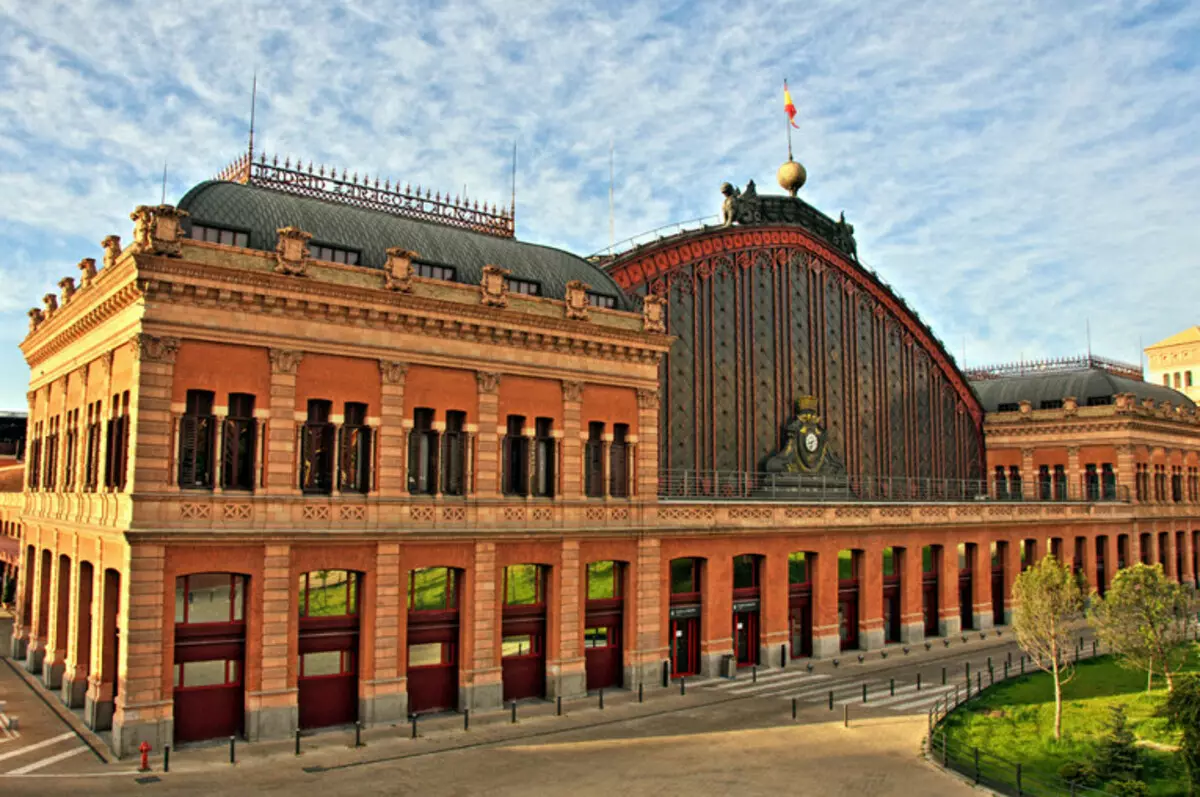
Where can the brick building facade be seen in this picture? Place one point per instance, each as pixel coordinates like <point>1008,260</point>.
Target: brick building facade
<point>308,452</point>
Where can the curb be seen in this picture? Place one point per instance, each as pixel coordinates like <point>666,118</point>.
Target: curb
<point>86,734</point>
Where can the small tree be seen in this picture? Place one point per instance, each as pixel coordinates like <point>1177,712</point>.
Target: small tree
<point>1049,602</point>
<point>1117,756</point>
<point>1183,711</point>
<point>1146,619</point>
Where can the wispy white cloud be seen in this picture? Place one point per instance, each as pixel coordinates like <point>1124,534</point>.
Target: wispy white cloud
<point>1013,169</point>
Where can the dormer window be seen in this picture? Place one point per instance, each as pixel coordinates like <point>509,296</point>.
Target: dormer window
<point>432,272</point>
<point>525,287</point>
<point>220,235</point>
<point>1052,404</point>
<point>602,300</point>
<point>332,254</point>
<point>1008,406</point>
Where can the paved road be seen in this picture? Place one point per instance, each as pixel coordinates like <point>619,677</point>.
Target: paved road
<point>722,736</point>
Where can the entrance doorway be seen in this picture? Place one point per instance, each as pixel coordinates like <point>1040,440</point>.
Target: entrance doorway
<point>604,618</point>
<point>966,584</point>
<point>848,573</point>
<point>328,671</point>
<point>891,593</point>
<point>800,603</point>
<point>931,556</point>
<point>433,640</point>
<point>523,645</point>
<point>999,554</point>
<point>685,616</point>
<point>746,574</point>
<point>210,651</point>
<point>1101,544</point>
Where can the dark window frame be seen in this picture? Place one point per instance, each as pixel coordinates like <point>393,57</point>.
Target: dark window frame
<point>515,463</point>
<point>423,453</point>
<point>523,287</point>
<point>197,442</point>
<point>349,257</point>
<point>240,236</point>
<point>603,301</point>
<point>239,445</point>
<point>317,447</point>
<point>355,448</point>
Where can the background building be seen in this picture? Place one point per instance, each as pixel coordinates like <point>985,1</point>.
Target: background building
<point>311,451</point>
<point>1175,362</point>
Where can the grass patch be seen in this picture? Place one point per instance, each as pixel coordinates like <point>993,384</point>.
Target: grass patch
<point>1015,721</point>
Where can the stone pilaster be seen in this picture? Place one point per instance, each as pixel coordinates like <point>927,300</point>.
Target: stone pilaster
<point>393,437</point>
<point>482,685</point>
<point>1028,476</point>
<point>1012,568</point>
<point>98,702</point>
<point>487,462</point>
<point>23,617</point>
<point>912,610</point>
<point>58,632</point>
<point>1089,560</point>
<point>281,429</point>
<point>643,661</point>
<point>773,611</point>
<point>646,464</point>
<point>1126,474</point>
<point>981,607</point>
<point>572,446</point>
<point>143,712</point>
<point>74,682</point>
<point>826,642</point>
<point>151,430</point>
<point>272,711</point>
<point>39,612</point>
<point>870,599</point>
<point>1188,576</point>
<point>1076,489</point>
<point>385,697</point>
<point>566,676</point>
<point>949,612</point>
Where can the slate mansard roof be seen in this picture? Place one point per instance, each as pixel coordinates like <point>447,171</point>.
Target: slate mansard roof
<point>1095,384</point>
<point>261,211</point>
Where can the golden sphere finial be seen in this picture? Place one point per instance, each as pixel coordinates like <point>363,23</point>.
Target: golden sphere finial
<point>791,176</point>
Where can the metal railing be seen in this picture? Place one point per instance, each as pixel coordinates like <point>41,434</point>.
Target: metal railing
<point>718,485</point>
<point>649,236</point>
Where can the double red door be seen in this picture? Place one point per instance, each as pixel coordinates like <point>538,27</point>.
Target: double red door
<point>848,617</point>
<point>432,661</point>
<point>685,645</point>
<point>745,637</point>
<point>929,603</point>
<point>602,641</point>
<point>523,652</point>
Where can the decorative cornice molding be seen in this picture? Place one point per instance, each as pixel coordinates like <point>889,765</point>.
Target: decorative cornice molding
<point>37,350</point>
<point>285,361</point>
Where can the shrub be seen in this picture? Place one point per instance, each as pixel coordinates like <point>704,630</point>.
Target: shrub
<point>1183,712</point>
<point>1081,773</point>
<point>1117,756</point>
<point>1128,788</point>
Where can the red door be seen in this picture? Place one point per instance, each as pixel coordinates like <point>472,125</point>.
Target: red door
<point>800,623</point>
<point>523,653</point>
<point>848,618</point>
<point>432,661</point>
<point>998,595</point>
<point>745,638</point>
<point>685,646</point>
<point>328,682</point>
<point>929,603</point>
<point>602,643</point>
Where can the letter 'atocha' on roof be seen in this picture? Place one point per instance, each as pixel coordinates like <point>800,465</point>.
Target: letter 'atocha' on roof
<point>351,215</point>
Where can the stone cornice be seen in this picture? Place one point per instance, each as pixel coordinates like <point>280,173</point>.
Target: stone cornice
<point>249,291</point>
<point>84,313</point>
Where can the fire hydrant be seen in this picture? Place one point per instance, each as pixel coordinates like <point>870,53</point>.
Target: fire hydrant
<point>144,749</point>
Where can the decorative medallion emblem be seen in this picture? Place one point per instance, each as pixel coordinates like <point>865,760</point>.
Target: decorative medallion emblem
<point>157,230</point>
<point>654,314</point>
<point>494,286</point>
<point>291,251</point>
<point>577,301</point>
<point>398,272</point>
<point>805,450</point>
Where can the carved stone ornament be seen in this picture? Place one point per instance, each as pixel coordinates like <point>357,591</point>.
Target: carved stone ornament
<point>805,451</point>
<point>51,303</point>
<point>647,399</point>
<point>489,382</point>
<point>285,361</point>
<point>1070,405</point>
<point>572,391</point>
<point>494,286</point>
<point>1148,403</point>
<point>35,318</point>
<point>577,300</point>
<point>654,314</point>
<point>291,251</point>
<point>112,250</point>
<point>67,286</point>
<point>157,230</point>
<point>1026,407</point>
<point>742,207</point>
<point>1124,401</point>
<point>398,271</point>
<point>151,349</point>
<point>393,372</point>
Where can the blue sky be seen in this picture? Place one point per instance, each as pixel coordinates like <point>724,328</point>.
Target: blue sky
<point>1012,169</point>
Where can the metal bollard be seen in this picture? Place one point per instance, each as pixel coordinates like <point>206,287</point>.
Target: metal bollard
<point>976,764</point>
<point>558,706</point>
<point>640,696</point>
<point>918,682</point>
<point>514,712</point>
<point>666,674</point>
<point>831,700</point>
<point>989,662</point>
<point>601,699</point>
<point>845,715</point>
<point>167,758</point>
<point>297,741</point>
<point>892,687</point>
<point>978,682</point>
<point>232,750</point>
<point>864,693</point>
<point>414,726</point>
<point>795,701</point>
<point>1094,647</point>
<point>783,656</point>
<point>683,685</point>
<point>991,676</point>
<point>358,733</point>
<point>968,670</point>
<point>943,676</point>
<point>466,719</point>
<point>754,674</point>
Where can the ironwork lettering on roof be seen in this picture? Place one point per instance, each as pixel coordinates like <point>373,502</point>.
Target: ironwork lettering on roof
<point>368,193</point>
<point>1055,365</point>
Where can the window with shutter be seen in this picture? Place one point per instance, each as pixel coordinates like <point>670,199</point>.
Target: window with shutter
<point>545,456</point>
<point>618,481</point>
<point>454,456</point>
<point>422,453</point>
<point>355,453</point>
<point>595,460</point>
<point>516,457</point>
<point>238,443</point>
<point>196,430</point>
<point>317,449</point>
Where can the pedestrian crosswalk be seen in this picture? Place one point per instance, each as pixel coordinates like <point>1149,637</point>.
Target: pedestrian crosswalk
<point>818,687</point>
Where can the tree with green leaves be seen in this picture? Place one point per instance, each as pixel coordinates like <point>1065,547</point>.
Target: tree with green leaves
<point>1147,619</point>
<point>1050,602</point>
<point>1183,712</point>
<point>1117,755</point>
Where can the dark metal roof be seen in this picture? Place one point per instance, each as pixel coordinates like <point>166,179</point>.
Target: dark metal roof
<point>260,212</point>
<point>1083,384</point>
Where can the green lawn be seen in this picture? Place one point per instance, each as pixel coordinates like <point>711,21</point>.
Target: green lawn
<point>1015,721</point>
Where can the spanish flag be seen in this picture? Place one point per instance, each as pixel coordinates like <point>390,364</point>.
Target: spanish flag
<point>789,107</point>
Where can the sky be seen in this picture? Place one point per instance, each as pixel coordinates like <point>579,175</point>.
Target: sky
<point>1017,171</point>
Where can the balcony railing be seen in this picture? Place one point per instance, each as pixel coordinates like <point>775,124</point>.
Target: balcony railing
<point>729,485</point>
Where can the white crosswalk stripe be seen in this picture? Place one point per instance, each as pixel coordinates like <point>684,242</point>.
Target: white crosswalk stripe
<point>777,675</point>
<point>45,762</point>
<point>38,746</point>
<point>801,679</point>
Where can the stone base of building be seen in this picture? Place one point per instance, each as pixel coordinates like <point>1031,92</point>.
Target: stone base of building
<point>74,692</point>
<point>33,660</point>
<point>52,674</point>
<point>773,656</point>
<point>383,709</point>
<point>949,626</point>
<point>710,663</point>
<point>272,722</point>
<point>97,714</point>
<point>20,648</point>
<point>567,685</point>
<point>826,647</point>
<point>127,736</point>
<point>912,633</point>
<point>649,674</point>
<point>984,621</point>
<point>872,639</point>
<point>481,697</point>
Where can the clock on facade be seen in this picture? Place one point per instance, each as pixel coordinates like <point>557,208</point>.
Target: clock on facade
<point>811,442</point>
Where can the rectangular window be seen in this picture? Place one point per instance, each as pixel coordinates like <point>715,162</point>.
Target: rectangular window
<point>516,457</point>
<point>798,568</point>
<point>34,480</point>
<point>92,459</point>
<point>594,461</point>
<point>1051,404</point>
<point>238,443</point>
<point>518,645</point>
<point>51,473</point>
<point>1045,485</point>
<point>333,254</point>
<point>685,576</point>
<point>1187,378</point>
<point>927,559</point>
<point>327,662</point>
<point>745,572</point>
<point>618,462</point>
<point>1099,401</point>
<point>525,287</point>
<point>69,472</point>
<point>600,637</point>
<point>210,598</point>
<point>454,454</point>
<point>847,565</point>
<point>1001,484</point>
<point>422,453</point>
<point>1166,380</point>
<point>429,654</point>
<point>196,441</point>
<point>218,235</point>
<point>1008,406</point>
<point>328,593</point>
<point>354,460</point>
<point>431,589</point>
<point>889,562</point>
<point>545,458</point>
<point>1091,482</point>
<point>316,448</point>
<point>215,672</point>
<point>1177,379</point>
<point>1108,482</point>
<point>1060,483</point>
<point>430,271</point>
<point>115,470</point>
<point>522,585</point>
<point>602,300</point>
<point>603,581</point>
<point>1014,483</point>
